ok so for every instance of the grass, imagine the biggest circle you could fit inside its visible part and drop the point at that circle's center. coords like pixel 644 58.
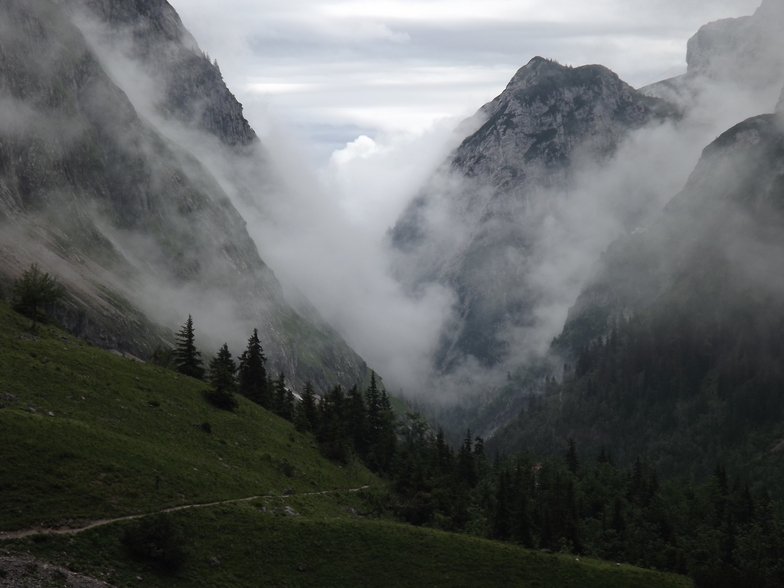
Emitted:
pixel 128 438
pixel 266 549
pixel 87 435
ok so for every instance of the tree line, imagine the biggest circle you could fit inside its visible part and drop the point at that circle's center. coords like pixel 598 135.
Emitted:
pixel 346 424
pixel 719 532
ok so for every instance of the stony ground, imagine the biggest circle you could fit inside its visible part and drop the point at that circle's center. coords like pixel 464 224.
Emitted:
pixel 18 571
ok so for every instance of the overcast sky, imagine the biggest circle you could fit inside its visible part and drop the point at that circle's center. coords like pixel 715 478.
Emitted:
pixel 338 69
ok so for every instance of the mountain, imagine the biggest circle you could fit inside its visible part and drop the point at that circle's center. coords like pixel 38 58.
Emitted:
pixel 688 372
pixel 479 224
pixel 745 52
pixel 97 449
pixel 106 195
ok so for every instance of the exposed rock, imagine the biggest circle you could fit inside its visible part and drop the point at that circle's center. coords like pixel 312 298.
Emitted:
pixel 137 230
pixel 213 561
pixel 193 87
pixel 746 51
pixel 477 224
pixel 33 573
pixel 289 512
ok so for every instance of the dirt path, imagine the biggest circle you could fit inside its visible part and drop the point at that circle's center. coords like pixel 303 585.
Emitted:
pixel 101 522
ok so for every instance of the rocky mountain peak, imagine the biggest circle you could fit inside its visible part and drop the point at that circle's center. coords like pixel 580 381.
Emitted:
pixel 497 188
pixel 532 73
pixel 193 87
pixel 547 111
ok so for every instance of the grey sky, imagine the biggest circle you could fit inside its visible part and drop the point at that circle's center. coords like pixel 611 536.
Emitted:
pixel 337 69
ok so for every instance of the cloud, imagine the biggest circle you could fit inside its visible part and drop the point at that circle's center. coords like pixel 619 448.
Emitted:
pixel 330 51
pixel 385 96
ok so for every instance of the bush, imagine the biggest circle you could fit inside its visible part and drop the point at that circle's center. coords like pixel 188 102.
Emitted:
pixel 158 540
pixel 222 399
pixel 33 291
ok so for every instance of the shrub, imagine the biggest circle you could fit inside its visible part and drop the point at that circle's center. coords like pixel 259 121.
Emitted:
pixel 222 399
pixel 33 291
pixel 158 540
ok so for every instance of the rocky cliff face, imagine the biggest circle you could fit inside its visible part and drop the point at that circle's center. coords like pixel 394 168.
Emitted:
pixel 191 86
pixel 477 225
pixel 746 52
pixel 136 228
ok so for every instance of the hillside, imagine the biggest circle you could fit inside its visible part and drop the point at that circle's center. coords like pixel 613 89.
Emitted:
pixel 675 346
pixel 132 222
pixel 89 436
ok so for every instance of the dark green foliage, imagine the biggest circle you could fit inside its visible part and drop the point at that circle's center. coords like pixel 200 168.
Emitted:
pixel 221 399
pixel 357 420
pixel 223 381
pixel 33 291
pixel 572 460
pixel 187 358
pixel 351 424
pixel 283 398
pixel 157 540
pixel 687 389
pixel 332 433
pixel 164 358
pixel 381 434
pixel 306 411
pixel 717 532
pixel 252 373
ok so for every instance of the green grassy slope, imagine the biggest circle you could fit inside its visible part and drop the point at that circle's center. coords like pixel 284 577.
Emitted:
pixel 338 550
pixel 128 438
pixel 86 435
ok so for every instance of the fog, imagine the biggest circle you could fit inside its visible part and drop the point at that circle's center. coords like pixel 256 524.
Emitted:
pixel 323 229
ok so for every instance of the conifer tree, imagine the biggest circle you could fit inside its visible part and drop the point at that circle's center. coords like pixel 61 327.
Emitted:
pixel 223 381
pixel 466 467
pixel 284 398
pixel 33 290
pixel 572 460
pixel 356 419
pixel 306 416
pixel 187 358
pixel 253 374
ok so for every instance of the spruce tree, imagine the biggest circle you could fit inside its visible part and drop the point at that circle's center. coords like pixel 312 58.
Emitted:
pixel 223 381
pixel 357 420
pixel 253 374
pixel 306 416
pixel 283 398
pixel 187 358
pixel 572 460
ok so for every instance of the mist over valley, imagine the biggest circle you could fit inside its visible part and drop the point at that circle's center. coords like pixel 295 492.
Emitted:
pixel 451 245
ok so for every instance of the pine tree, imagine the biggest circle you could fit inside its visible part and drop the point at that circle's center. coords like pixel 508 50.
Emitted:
pixel 253 374
pixel 187 358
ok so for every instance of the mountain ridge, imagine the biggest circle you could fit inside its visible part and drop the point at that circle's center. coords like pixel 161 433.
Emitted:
pixel 133 224
pixel 497 188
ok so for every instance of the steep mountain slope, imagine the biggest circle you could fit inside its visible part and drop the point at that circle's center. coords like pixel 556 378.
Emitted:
pixel 478 225
pixel 138 230
pixel 689 374
pixel 90 439
pixel 746 52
